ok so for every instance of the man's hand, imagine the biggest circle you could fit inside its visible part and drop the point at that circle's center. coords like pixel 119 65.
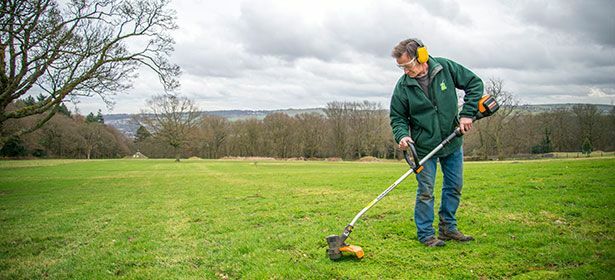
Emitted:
pixel 403 143
pixel 465 124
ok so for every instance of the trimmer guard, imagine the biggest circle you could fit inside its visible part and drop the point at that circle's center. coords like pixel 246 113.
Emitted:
pixel 337 246
pixel 356 250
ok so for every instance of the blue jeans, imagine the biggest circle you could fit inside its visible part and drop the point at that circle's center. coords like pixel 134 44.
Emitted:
pixel 452 169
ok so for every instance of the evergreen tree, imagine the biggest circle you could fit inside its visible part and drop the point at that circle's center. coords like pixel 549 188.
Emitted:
pixel 29 101
pixel 62 109
pixel 40 98
pixel 586 148
pixel 13 148
pixel 546 141
pixel 142 134
pixel 90 118
pixel 99 117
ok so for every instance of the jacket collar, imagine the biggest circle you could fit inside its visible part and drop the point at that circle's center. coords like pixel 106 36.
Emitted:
pixel 434 68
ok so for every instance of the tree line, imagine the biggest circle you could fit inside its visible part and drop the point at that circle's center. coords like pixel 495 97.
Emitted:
pixel 65 135
pixel 582 129
pixel 346 130
pixel 351 130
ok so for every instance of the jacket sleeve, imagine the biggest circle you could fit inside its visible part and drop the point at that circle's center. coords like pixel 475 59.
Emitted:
pixel 399 114
pixel 471 84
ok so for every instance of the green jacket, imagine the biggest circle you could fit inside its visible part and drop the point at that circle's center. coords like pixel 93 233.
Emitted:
pixel 431 118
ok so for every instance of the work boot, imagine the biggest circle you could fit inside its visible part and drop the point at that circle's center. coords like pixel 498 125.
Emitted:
pixel 454 235
pixel 433 242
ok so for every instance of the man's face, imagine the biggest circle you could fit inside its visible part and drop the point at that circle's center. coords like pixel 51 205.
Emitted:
pixel 410 66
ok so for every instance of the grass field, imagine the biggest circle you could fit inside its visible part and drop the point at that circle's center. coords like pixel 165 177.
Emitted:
pixel 156 219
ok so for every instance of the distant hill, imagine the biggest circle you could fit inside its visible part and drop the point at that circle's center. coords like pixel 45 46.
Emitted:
pixel 542 108
pixel 128 125
pixel 233 115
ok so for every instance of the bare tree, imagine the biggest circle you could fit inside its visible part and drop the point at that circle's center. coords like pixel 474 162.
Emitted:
pixel 211 135
pixel 564 130
pixel 92 134
pixel 609 125
pixel 59 137
pixel 492 131
pixel 337 115
pixel 588 117
pixel 365 128
pixel 311 134
pixel 171 118
pixel 120 144
pixel 63 49
pixel 356 128
pixel 247 137
pixel 279 134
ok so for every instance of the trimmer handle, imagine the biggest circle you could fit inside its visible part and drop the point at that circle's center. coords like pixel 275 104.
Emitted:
pixel 487 106
pixel 414 161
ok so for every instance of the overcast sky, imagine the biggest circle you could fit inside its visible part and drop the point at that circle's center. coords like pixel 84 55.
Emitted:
pixel 302 54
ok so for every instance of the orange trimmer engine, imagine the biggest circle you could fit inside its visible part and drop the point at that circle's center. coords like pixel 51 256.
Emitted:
pixel 487 106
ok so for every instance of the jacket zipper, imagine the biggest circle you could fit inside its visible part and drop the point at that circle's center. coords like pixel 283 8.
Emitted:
pixel 432 75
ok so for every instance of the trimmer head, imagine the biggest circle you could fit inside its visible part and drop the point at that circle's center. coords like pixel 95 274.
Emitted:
pixel 337 246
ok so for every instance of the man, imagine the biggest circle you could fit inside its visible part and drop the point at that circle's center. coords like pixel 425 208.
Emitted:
pixel 424 111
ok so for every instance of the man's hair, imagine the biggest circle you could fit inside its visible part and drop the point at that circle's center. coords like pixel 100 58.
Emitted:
pixel 406 46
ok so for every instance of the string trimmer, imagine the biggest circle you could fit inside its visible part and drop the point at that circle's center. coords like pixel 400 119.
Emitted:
pixel 487 106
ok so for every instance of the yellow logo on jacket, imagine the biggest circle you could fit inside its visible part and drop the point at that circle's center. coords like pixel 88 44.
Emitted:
pixel 442 86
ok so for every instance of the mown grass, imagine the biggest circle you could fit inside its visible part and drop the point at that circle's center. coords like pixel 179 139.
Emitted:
pixel 156 219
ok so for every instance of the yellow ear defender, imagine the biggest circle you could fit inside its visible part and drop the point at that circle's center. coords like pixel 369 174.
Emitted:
pixel 421 52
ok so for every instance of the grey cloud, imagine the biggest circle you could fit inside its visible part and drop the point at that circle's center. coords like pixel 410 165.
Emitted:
pixel 271 55
pixel 283 87
pixel 599 76
pixel 373 30
pixel 270 32
pixel 551 86
pixel 205 60
pixel 537 51
pixel 445 9
pixel 586 20
pixel 222 58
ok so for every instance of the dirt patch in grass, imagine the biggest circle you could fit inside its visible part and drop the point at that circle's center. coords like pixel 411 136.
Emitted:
pixel 368 159
pixel 248 158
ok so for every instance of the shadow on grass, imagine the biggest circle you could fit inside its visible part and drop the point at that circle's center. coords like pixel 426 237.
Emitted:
pixel 346 259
